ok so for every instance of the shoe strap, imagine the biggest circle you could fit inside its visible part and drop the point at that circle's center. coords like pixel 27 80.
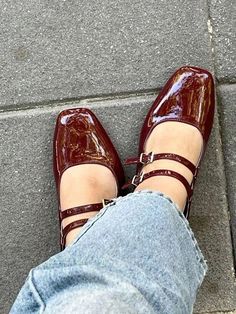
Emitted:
pixel 68 228
pixel 149 158
pixel 77 223
pixel 79 210
pixel 138 178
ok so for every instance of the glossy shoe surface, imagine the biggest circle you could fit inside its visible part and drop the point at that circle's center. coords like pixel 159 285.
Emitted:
pixel 80 139
pixel 188 97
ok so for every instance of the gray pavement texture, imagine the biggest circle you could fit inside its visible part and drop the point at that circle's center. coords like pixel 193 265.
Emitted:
pixel 111 56
pixel 223 22
pixel 227 97
pixel 29 208
pixel 54 50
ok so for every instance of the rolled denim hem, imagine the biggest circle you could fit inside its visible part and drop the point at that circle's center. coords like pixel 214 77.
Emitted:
pixel 91 221
pixel 137 255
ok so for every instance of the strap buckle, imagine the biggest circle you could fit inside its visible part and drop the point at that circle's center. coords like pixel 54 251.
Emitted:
pixel 105 202
pixel 146 158
pixel 138 178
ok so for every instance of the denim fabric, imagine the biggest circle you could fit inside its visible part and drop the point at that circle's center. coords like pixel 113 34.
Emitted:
pixel 137 255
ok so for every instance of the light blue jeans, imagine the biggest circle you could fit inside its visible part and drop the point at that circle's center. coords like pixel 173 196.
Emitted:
pixel 137 255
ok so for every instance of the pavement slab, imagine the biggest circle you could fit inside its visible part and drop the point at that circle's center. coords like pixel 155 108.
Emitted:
pixel 223 23
pixel 53 50
pixel 227 96
pixel 28 215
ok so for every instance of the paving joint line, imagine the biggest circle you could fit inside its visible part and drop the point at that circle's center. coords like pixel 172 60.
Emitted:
pixel 211 34
pixel 132 94
pixel 226 82
pixel 89 99
pixel 219 114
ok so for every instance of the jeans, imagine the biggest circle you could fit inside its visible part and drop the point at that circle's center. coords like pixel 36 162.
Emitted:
pixel 137 255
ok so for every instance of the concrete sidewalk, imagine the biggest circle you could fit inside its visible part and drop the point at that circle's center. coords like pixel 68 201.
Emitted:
pixel 113 57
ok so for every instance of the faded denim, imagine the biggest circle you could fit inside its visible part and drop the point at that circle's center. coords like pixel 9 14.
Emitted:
pixel 137 255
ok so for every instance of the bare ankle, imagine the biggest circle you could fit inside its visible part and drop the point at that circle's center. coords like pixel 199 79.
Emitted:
pixel 168 186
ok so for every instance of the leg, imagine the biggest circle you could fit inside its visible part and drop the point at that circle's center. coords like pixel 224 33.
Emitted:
pixel 177 138
pixel 138 255
pixel 138 250
pixel 85 184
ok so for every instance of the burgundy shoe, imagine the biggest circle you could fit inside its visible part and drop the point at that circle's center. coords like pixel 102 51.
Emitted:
pixel 187 97
pixel 80 139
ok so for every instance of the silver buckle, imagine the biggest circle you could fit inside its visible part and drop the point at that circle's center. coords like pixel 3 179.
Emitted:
pixel 61 230
pixel 150 158
pixel 137 179
pixel 105 202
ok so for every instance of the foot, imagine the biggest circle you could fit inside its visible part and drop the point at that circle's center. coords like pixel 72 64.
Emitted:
pixel 178 138
pixel 82 185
